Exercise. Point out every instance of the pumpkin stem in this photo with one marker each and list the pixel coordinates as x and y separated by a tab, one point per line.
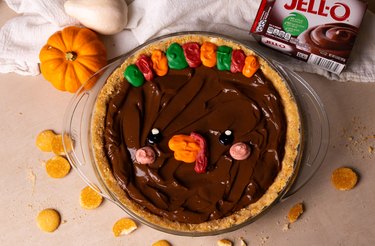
70	56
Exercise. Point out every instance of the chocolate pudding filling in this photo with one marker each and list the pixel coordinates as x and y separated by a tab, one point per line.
206	101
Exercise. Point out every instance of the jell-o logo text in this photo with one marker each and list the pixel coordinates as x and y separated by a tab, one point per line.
339	11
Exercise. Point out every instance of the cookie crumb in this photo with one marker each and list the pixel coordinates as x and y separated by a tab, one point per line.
48	220
224	242
344	178
264	239
89	198
32	178
242	242
124	226
286	227
370	149
295	212
161	243
358	139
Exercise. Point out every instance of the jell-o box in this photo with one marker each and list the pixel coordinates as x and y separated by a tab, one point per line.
320	32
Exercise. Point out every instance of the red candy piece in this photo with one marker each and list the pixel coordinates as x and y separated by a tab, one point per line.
144	63
192	54
238	61
201	159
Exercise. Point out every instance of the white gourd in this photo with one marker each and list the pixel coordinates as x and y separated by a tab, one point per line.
103	16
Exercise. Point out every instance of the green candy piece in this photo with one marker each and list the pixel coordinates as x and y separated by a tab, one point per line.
134	76
224	57
176	57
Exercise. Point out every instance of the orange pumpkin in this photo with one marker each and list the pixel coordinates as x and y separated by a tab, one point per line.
70	57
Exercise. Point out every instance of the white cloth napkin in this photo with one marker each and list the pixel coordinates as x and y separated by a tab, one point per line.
150	18
22	37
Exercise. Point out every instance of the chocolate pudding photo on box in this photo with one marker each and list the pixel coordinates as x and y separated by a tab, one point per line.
330	40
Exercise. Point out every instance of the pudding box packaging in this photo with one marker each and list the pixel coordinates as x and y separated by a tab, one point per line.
320	32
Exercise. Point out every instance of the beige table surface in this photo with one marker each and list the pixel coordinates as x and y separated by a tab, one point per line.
29	105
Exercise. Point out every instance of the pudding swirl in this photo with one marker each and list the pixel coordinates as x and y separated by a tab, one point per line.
335	38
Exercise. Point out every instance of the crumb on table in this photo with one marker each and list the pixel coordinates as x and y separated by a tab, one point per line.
224	242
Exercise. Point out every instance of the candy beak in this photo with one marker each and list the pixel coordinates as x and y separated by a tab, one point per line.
190	148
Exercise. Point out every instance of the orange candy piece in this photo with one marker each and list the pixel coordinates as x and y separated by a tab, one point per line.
57	167
185	148
90	198
295	212
48	220
344	178
208	54
251	66
161	243
44	140
58	144
124	226
159	62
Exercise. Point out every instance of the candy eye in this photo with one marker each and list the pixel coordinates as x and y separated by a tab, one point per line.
226	137
154	136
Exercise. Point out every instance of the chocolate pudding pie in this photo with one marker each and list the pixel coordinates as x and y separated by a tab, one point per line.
196	133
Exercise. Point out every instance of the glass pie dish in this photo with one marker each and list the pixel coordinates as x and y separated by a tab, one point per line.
314	134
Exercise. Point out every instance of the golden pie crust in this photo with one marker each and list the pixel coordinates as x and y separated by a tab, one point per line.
283	180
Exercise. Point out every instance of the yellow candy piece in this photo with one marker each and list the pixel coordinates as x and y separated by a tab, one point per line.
44	140
124	226
344	178
57	144
295	212
161	243
57	167
48	220
89	198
